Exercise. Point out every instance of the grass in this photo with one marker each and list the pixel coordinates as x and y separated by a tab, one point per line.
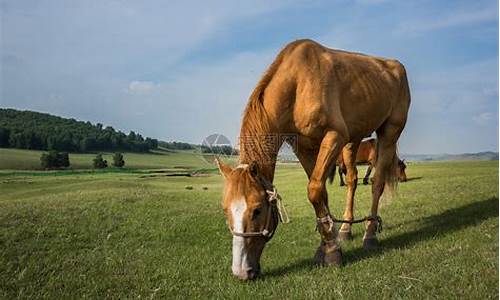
17	159
120	235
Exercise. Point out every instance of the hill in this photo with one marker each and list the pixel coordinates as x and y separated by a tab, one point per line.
41	131
488	155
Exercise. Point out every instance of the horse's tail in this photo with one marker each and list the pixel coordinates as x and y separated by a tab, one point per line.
390	172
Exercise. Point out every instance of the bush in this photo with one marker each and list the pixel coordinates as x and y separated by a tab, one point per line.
118	160
99	162
54	160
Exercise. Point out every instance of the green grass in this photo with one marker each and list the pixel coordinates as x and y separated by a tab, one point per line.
17	159
120	235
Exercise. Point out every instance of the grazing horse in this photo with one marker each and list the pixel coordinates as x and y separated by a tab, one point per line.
325	98
367	154
402	171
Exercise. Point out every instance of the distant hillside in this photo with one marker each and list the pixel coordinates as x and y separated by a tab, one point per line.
443	157
40	131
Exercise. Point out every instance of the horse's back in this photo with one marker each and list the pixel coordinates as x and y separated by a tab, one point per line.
334	89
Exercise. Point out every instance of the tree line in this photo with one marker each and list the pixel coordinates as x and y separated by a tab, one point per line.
41	131
176	145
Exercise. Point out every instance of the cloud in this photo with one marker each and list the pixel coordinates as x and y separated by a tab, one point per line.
455	19
171	72
201	100
141	87
371	2
483	118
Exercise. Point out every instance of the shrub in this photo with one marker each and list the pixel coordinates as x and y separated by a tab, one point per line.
54	160
99	162
118	160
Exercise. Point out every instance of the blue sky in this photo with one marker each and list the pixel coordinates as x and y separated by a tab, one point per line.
181	70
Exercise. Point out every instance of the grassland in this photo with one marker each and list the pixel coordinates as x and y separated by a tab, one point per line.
17	159
126	235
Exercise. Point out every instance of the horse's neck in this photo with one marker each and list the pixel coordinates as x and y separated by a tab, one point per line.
262	148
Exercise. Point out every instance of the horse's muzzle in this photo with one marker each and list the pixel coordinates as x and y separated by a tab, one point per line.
250	274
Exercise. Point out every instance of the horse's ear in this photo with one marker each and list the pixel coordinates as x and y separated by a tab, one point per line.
224	169
254	169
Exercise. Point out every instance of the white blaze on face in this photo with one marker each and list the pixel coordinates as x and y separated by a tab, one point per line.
240	259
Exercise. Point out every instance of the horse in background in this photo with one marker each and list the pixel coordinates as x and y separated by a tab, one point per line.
367	154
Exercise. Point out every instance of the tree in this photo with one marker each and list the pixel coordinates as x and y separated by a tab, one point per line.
63	159
118	160
4	137
54	160
99	162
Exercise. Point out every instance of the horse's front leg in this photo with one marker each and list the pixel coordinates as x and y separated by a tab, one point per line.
329	251
349	152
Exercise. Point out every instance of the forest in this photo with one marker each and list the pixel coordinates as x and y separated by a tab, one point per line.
41	131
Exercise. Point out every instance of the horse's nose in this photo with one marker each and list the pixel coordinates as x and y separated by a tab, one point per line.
250	274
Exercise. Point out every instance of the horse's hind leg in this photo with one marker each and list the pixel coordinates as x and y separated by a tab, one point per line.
329	251
349	153
385	175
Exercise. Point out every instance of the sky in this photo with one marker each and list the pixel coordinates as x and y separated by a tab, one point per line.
182	70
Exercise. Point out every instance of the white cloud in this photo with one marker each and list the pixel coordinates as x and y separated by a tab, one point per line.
455	19
371	2
483	118
141	87
202	99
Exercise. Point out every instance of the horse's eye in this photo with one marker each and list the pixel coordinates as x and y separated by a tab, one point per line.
256	213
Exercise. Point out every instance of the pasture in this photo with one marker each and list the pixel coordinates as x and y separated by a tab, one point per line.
127	235
18	159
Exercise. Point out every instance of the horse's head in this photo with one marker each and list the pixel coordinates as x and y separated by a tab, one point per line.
249	203
401	170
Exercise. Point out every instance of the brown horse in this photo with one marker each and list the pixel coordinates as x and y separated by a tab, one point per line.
366	154
325	98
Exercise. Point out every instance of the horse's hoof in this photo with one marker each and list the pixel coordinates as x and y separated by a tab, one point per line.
370	244
331	258
345	235
365	182
342	184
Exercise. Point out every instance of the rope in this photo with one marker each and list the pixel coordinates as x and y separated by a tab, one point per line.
367	218
274	196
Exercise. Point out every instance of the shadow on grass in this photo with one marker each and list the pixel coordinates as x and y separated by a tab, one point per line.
449	221
360	181
296	266
437	225
413	178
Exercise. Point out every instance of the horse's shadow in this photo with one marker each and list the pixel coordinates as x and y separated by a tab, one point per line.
414	178
360	181
436	225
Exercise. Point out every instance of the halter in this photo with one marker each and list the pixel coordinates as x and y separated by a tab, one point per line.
277	212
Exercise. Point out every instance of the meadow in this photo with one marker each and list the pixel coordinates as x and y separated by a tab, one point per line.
126	234
19	159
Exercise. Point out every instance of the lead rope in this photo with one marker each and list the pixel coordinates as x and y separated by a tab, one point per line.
368	218
274	196
329	219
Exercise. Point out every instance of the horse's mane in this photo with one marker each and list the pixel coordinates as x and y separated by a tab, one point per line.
256	127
